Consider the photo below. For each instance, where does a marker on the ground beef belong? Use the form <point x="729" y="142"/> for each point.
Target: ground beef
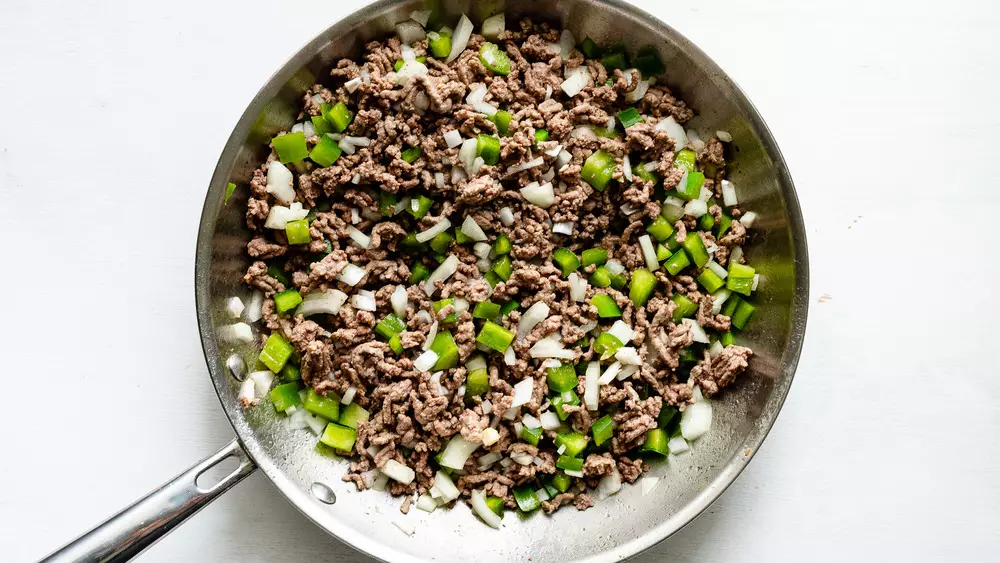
<point x="363" y="209"/>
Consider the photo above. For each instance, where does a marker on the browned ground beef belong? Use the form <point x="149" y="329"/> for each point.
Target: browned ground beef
<point x="411" y="421"/>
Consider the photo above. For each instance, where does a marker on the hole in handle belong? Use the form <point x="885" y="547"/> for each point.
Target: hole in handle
<point x="210" y="477"/>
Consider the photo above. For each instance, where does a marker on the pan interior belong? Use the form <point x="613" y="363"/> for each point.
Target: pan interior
<point x="623" y="524"/>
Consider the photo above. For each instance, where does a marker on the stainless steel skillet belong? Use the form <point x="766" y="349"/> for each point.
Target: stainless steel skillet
<point x="614" y="529"/>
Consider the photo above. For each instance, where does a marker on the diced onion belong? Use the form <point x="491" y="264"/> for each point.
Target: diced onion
<point x="353" y="84"/>
<point x="647" y="484"/>
<point x="483" y="107"/>
<point x="756" y="282"/>
<point x="410" y="70"/>
<point x="316" y="424"/>
<point x="609" y="374"/>
<point x="484" y="264"/>
<point x="297" y="420"/>
<point x="563" y="159"/>
<point x="426" y="361"/>
<point x="563" y="228"/>
<point x="246" y="395"/>
<point x="526" y="165"/>
<point x="548" y="91"/>
<point x="541" y="195"/>
<point x="615" y="267"/>
<point x="398" y="301"/>
<point x="493" y="26"/>
<point x="477" y="94"/>
<point x="359" y="141"/>
<point x="236" y="333"/>
<point x="489" y="459"/>
<point x="695" y="140"/>
<point x="421" y="16"/>
<point x="482" y="249"/>
<point x="577" y="287"/>
<point x="628" y="355"/>
<point x="592" y="385"/>
<point x="363" y="240"/>
<point x="566" y="43"/>
<point x="627" y="168"/>
<point x="398" y="472"/>
<point x="435" y="383"/>
<point x="718" y="298"/>
<point x="351" y="275"/>
<point x="696" y="420"/>
<point x="729" y="194"/>
<point x="583" y="132"/>
<point x="715" y="349"/>
<point x="674" y="130"/>
<point x="522" y="458"/>
<point x="366" y="76"/>
<point x="457" y="452"/>
<point x="348" y="397"/>
<point x="542" y="494"/>
<point x="308" y="129"/>
<point x="441" y="273"/>
<point x="346" y="146"/>
<point x="649" y="253"/>
<point x="610" y="484"/>
<point x="551" y="347"/>
<point x="472" y="229"/>
<point x="298" y="128"/>
<point x="535" y="314"/>
<point x="255" y="307"/>
<point x="279" y="216"/>
<point x="409" y="32"/>
<point x="735" y="254"/>
<point x="576" y="80"/>
<point x="355" y="216"/>
<point x="446" y="487"/>
<point x="322" y="302"/>
<point x="487" y="406"/>
<point x="439" y="179"/>
<point x="509" y="358"/>
<point x="717" y="269"/>
<point x="234" y="306"/>
<point x="426" y="503"/>
<point x="262" y="381"/>
<point x="696" y="208"/>
<point x="477" y="165"/>
<point x="724" y="136"/>
<point x="363" y="300"/>
<point x="452" y="138"/>
<point x="678" y="445"/>
<point x="467" y="154"/>
<point x="627" y="372"/>
<point x="522" y="392"/>
<point x="705" y="194"/>
<point x="638" y="93"/>
<point x="381" y="480"/>
<point x="460" y="39"/>
<point x="431" y="333"/>
<point x="622" y="332"/>
<point x="490" y="437"/>
<point x="506" y="216"/>
<point x="440" y="227"/>
<point x="478" y="500"/>
<point x="457" y="174"/>
<point x="748" y="218"/>
<point x="530" y="422"/>
<point x="697" y="333"/>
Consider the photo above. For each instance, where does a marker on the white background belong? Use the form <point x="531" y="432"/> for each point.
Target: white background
<point x="112" y="116"/>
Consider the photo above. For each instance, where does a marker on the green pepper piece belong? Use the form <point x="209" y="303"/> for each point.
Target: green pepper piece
<point x="419" y="206"/>
<point x="541" y="135"/>
<point x="562" y="482"/>
<point x="438" y="305"/>
<point x="642" y="286"/>
<point x="645" y="174"/>
<point x="526" y="498"/>
<point x="649" y="64"/>
<point x="601" y="277"/>
<point x="662" y="253"/>
<point x="287" y="300"/>
<point x="561" y="378"/>
<point x="496" y="505"/>
<point x="494" y="59"/>
<point x="446" y="349"/>
<point x="396" y="344"/>
<point x="477" y="383"/>
<point x="276" y="272"/>
<point x="502" y="120"/>
<point x="439" y="44"/>
<point x="502" y="267"/>
<point x="566" y="260"/>
<point x="569" y="463"/>
<point x="685" y="307"/>
<point x="411" y="154"/>
<point x="276" y="352"/>
<point x="596" y="256"/>
<point x="389" y="326"/>
<point x="488" y="147"/>
<point x="290" y="373"/>
<point x="284" y="396"/>
<point x="602" y="430"/>
<point x="630" y="117"/>
<point x="574" y="441"/>
<point x="419" y="273"/>
<point x="666" y="417"/>
<point x="495" y="336"/>
<point x="410" y="241"/>
<point x="502" y="245"/>
<point x="695" y="248"/>
<point x="492" y="278"/>
<point x="615" y="61"/>
<point x="606" y="132"/>
<point x="339" y="116"/>
<point x="400" y="62"/>
<point x="353" y="414"/>
<point x="618" y="281"/>
<point x="340" y="438"/>
<point x="742" y="314"/>
<point x="660" y="229"/>
<point x="692" y="188"/>
<point x="606" y="306"/>
<point x="297" y="232"/>
<point x="656" y="442"/>
<point x="685" y="159"/>
<point x="606" y="345"/>
<point x="740" y="278"/>
<point x="441" y="242"/>
<point x="486" y="310"/>
<point x="733" y="303"/>
<point x="710" y="281"/>
<point x="387" y="203"/>
<point x="326" y="151"/>
<point x="321" y="125"/>
<point x="291" y="147"/>
<point x="566" y="398"/>
<point x="598" y="169"/>
<point x="677" y="262"/>
<point x="590" y="49"/>
<point x="230" y="188"/>
<point x="326" y="406"/>
<point x="723" y="226"/>
<point x="508" y="307"/>
<point x="706" y="221"/>
<point x="531" y="435"/>
<point x="727" y="338"/>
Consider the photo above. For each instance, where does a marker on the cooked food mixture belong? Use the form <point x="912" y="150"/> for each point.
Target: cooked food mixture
<point x="495" y="267"/>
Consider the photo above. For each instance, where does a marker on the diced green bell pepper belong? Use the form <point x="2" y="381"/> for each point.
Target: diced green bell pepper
<point x="642" y="286"/>
<point x="339" y="116"/>
<point x="685" y="159"/>
<point x="541" y="135"/>
<point x="297" y="232"/>
<point x="615" y="61"/>
<point x="561" y="378"/>
<point x="742" y="314"/>
<point x="596" y="256"/>
<point x="729" y="308"/>
<point x="230" y="188"/>
<point x="566" y="260"/>
<point x="606" y="345"/>
<point x="352" y="415"/>
<point x="601" y="277"/>
<point x="695" y="248"/>
<point x="660" y="229"/>
<point x="565" y="398"/>
<point x="508" y="307"/>
<point x="477" y="383"/>
<point x="291" y="147"/>
<point x="488" y="147"/>
<point x="645" y="174"/>
<point x="569" y="463"/>
<point x="648" y="63"/>
<point x="502" y="245"/>
<point x="692" y="188"/>
<point x="526" y="498"/>
<point x="446" y="349"/>
<point x="602" y="429"/>
<point x="606" y="306"/>
<point x="419" y="273"/>
<point x="340" y="438"/>
<point x="494" y="58"/>
<point x="276" y="352"/>
<point x="321" y="125"/>
<point x="328" y="407"/>
<point x="486" y="310"/>
<point x="562" y="482"/>
<point x="685" y="307"/>
<point x="629" y="117"/>
<point x="396" y="344"/>
<point x="656" y="442"/>
<point x="284" y="396"/>
<point x="387" y="203"/>
<point x="438" y="305"/>
<point x="740" y="278"/>
<point x="290" y="372"/>
<point x="502" y="267"/>
<point x="531" y="435"/>
<point x="662" y="253"/>
<point x="419" y="206"/>
<point x="502" y="120"/>
<point x="286" y="300"/>
<point x="598" y="169"/>
<point x="574" y="441"/>
<point x="727" y="338"/>
<point x="326" y="151"/>
<point x="441" y="242"/>
<point x="677" y="261"/>
<point x="411" y="154"/>
<point x="390" y="326"/>
<point x="495" y="336"/>
<point x="666" y="417"/>
<point x="439" y="44"/>
<point x="710" y="280"/>
<point x="590" y="49"/>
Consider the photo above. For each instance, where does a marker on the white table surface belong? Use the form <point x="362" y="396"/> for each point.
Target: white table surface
<point x="112" y="116"/>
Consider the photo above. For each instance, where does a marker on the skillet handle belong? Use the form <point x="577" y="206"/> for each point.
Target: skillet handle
<point x="131" y="531"/>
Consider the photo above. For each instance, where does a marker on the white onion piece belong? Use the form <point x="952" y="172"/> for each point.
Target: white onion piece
<point x="628" y="355"/>
<point x="398" y="301"/>
<point x="478" y="501"/>
<point x="588" y="326"/>
<point x="577" y="287"/>
<point x="715" y="349"/>
<point x="346" y="146"/>
<point x="452" y="138"/>
<point x="530" y="421"/>
<point x="506" y="216"/>
<point x="566" y="43"/>
<point x="695" y="140"/>
<point x="610" y="484"/>
<point x="484" y="264"/>
<point x="678" y="445"/>
<point x="548" y="91"/>
<point x="255" y="307"/>
<point x="674" y="130"/>
<point x="541" y="195"/>
<point x="298" y="128"/>
<point x="425" y="361"/>
<point x="522" y="392"/>
<point x="431" y="333"/>
<point x="577" y="474"/>
<point x="523" y="458"/>
<point x="421" y="17"/>
<point x="398" y="472"/>
<point x="359" y="141"/>
<point x="647" y="484"/>
<point x="457" y="452"/>
<point x="457" y="174"/>
<point x="477" y="165"/>
<point x="297" y="420"/>
<point x="649" y="253"/>
<point x="509" y="357"/>
<point x="409" y="32"/>
<point x="483" y="107"/>
<point x="628" y="209"/>
<point x="487" y="406"/>
<point x="729" y="194"/>
<point x="609" y="374"/>
<point x="489" y="459"/>
<point x="717" y="269"/>
<point x="563" y="228"/>
<point x="316" y="424"/>
<point x="460" y="391"/>
<point x="443" y="272"/>
<point x="467" y="154"/>
<point x="615" y="267"/>
<point x="748" y="218"/>
<point x="380" y="482"/>
<point x="490" y="437"/>
<point x="279" y="216"/>
<point x="363" y="240"/>
<point x="308" y="129"/>
<point x="756" y="282"/>
<point x="592" y="385"/>
<point x="423" y="317"/>
<point x="724" y="136"/>
<point x="627" y="168"/>
<point x="355" y="216"/>
<point x="322" y="302"/>
<point x="440" y="227"/>
<point x="446" y="487"/>
<point x="353" y="84"/>
<point x="493" y="26"/>
<point x="705" y="194"/>
<point x="526" y="165"/>
<point x="481" y="249"/>
<point x="696" y="208"/>
<point x="576" y="80"/>
<point x="348" y="397"/>
<point x="435" y="383"/>
<point x="410" y="70"/>
<point x="542" y="494"/>
<point x="426" y="503"/>
<point x="351" y="275"/>
<point x="622" y="332"/>
<point x="407" y="53"/>
<point x="549" y="420"/>
<point x="472" y="229"/>
<point x="262" y="381"/>
<point x="439" y="179"/>
<point x="563" y="159"/>
<point x="718" y="298"/>
<point x="477" y="94"/>
<point x="246" y="395"/>
<point x="638" y="93"/>
<point x="461" y="305"/>
<point x="460" y="38"/>
<point x="234" y="306"/>
<point x="627" y="372"/>
<point x="363" y="300"/>
<point x="535" y="314"/>
<point x="236" y="333"/>
<point x="583" y="132"/>
<point x="735" y="254"/>
<point x="696" y="420"/>
<point x="561" y="449"/>
<point x="697" y="333"/>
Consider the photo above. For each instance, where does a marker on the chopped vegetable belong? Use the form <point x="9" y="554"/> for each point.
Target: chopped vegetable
<point x="695" y="248"/>
<point x="629" y="117"/>
<point x="495" y="336"/>
<point x="353" y="414"/>
<point x="531" y="435"/>
<point x="298" y="232"/>
<point x="287" y="300"/>
<point x="561" y="378"/>
<point x="326" y="151"/>
<point x="642" y="286"/>
<point x="230" y="188"/>
<point x="590" y="256"/>
<point x="566" y="260"/>
<point x="615" y="61"/>
<point x="598" y="169"/>
<point x="284" y="396"/>
<point x="328" y="407"/>
<point x="590" y="49"/>
<point x="690" y="190"/>
<point x="526" y="498"/>
<point x="419" y="273"/>
<point x="601" y="277"/>
<point x="340" y="438"/>
<point x="740" y="278"/>
<point x="606" y="306"/>
<point x="486" y="310"/>
<point x="602" y="430"/>
<point x="502" y="245"/>
<point x="396" y="344"/>
<point x="502" y="120"/>
<point x="648" y="62"/>
<point x="494" y="59"/>
<point x="390" y="326"/>
<point x="685" y="159"/>
<point x="660" y="229"/>
<point x="339" y="116"/>
<point x="446" y="349"/>
<point x="685" y="307"/>
<point x="477" y="383"/>
<point x="276" y="352"/>
<point x="606" y="345"/>
<point x="541" y="135"/>
<point x="742" y="315"/>
<point x="677" y="262"/>
<point x="710" y="281"/>
<point x="656" y="442"/>
<point x="488" y="147"/>
<point x="439" y="44"/>
<point x="291" y="147"/>
<point x="569" y="463"/>
<point x="411" y="154"/>
<point x="419" y="206"/>
<point x="441" y="242"/>
<point x="574" y="442"/>
<point x="438" y="305"/>
<point x="502" y="267"/>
